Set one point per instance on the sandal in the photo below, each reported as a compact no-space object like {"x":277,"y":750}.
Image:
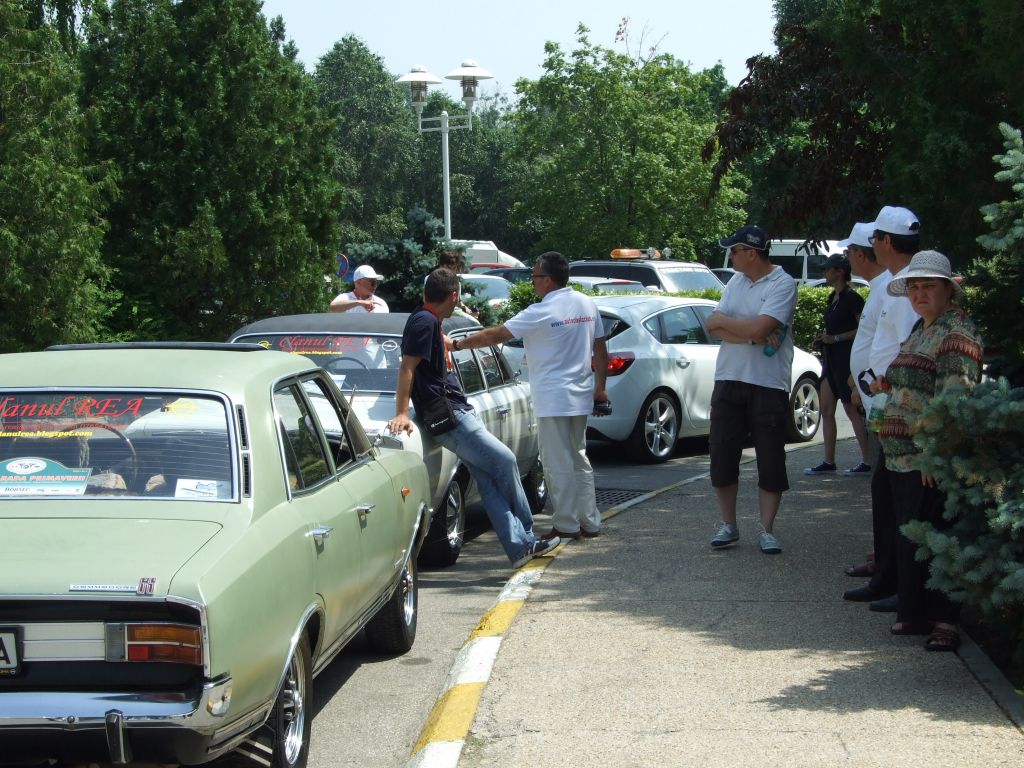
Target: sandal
{"x":911,"y":628}
{"x":861,"y":569}
{"x":943,"y":639}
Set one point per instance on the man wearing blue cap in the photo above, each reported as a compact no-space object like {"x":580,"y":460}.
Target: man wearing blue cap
{"x":752,"y":381}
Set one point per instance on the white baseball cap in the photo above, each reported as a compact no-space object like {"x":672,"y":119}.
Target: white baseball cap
{"x":896,"y":221}
{"x":366,"y":272}
{"x":860,"y":235}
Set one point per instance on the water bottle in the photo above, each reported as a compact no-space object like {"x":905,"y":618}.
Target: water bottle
{"x":877,"y":412}
{"x":768,"y":349}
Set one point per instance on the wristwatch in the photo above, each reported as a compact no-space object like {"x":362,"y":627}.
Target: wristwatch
{"x":455,"y":344}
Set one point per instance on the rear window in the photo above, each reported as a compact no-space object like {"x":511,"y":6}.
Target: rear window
{"x":676,"y":279}
{"x":613,"y":326}
{"x":356,"y":362}
{"x":114,"y":444}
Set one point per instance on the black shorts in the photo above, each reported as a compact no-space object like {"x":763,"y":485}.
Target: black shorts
{"x":738,"y":411}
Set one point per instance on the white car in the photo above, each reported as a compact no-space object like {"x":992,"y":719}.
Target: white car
{"x":661,"y":372}
{"x":494,"y":289}
{"x":362,"y":352}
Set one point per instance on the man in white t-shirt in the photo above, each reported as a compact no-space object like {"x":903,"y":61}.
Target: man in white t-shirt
{"x":363,"y":296}
{"x":895,"y":239}
{"x":564,"y":341}
{"x":752,"y":381}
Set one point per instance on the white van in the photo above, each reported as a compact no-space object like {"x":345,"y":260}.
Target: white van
{"x":486,"y":252}
{"x":802,"y":259}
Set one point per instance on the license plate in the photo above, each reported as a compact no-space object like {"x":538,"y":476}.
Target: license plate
{"x":10,"y":651}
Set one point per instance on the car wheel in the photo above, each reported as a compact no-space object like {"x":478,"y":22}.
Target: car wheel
{"x":805,"y":407}
{"x":292,"y":717}
{"x":536,"y":487}
{"x":393,"y":629}
{"x":657,"y":428}
{"x":447,"y":527}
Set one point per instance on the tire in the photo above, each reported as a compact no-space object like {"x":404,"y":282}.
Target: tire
{"x":292,"y":718}
{"x":536,"y":487}
{"x":393,"y":629}
{"x":447,"y":527}
{"x":657,"y":428}
{"x":805,"y":411}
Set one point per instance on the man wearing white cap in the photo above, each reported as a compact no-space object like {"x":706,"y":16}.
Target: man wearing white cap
{"x":895,"y":239}
{"x":363,"y":296}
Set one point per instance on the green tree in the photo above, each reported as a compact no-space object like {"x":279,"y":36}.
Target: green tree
{"x":226,"y":203}
{"x":374,"y":137}
{"x":613,"y":147}
{"x":55,"y":285}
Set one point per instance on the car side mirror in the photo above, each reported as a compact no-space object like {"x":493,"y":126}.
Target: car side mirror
{"x":385,"y":439}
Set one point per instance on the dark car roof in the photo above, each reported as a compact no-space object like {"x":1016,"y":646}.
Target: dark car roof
{"x":344,"y":322}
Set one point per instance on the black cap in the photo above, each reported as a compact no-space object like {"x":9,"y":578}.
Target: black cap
{"x":751,"y":235}
{"x":835,"y":261}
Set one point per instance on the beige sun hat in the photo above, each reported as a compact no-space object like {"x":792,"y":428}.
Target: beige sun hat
{"x":925,"y":264}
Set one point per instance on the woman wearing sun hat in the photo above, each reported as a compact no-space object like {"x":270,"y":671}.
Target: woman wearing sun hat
{"x":943,"y":352}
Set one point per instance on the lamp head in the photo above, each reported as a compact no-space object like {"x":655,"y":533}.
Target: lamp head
{"x":419,"y":79}
{"x":470,"y":75}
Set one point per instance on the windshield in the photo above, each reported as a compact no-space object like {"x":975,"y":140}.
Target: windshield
{"x":489,"y":289}
{"x":117,"y":443}
{"x":361,"y":362}
{"x":688,"y":279}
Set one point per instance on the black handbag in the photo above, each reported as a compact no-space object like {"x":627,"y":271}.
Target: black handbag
{"x":438,"y":416}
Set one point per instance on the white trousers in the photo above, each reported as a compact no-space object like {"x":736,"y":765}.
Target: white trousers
{"x":567,"y":471}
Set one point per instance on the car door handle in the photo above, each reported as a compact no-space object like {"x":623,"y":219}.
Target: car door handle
{"x":682,"y":362}
{"x":364,"y":509}
{"x":320,"y":533}
{"x":504,"y":411}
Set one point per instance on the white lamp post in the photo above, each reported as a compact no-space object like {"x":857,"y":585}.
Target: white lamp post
{"x":419,"y":79}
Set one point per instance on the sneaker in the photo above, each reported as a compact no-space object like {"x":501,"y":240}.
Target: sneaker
{"x":539,"y":548}
{"x":768,"y":543}
{"x":728,"y":534}
{"x":820,"y":469}
{"x":861,"y":470}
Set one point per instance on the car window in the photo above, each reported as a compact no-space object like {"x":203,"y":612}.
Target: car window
{"x":305,"y":457}
{"x":490,"y":365}
{"x":613,"y":326}
{"x":688,"y":278}
{"x":327,"y":413}
{"x":597,"y":270}
{"x":363,"y":362}
{"x":469,"y":372}
{"x":703,"y":312}
{"x":115,"y":444}
{"x":681,"y":326}
{"x":640,"y":273}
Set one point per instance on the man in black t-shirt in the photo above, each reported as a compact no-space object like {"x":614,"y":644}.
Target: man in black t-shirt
{"x":425,"y":371}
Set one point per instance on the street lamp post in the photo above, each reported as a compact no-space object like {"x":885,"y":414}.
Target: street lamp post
{"x":419,"y":79}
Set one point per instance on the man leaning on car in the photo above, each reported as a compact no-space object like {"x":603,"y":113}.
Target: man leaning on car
{"x":426,"y":376}
{"x":752,"y":379}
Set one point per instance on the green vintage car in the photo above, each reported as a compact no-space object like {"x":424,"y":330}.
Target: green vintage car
{"x":189,"y":534}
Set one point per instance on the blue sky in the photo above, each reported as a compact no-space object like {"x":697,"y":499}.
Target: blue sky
{"x":508,"y":38}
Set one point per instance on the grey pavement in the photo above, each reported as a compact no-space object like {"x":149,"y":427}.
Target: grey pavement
{"x":646,"y":648}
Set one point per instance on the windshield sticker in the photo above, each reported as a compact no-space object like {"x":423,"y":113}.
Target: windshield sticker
{"x":33,"y":476}
{"x":317,"y":345}
{"x":72,"y":406}
{"x":201,"y":489}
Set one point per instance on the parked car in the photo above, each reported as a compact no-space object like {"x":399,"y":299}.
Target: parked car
{"x":661,"y":372}
{"x":482,"y":267}
{"x":665,"y":275}
{"x":362,"y":352}
{"x":725,"y":274}
{"x":512,"y":274}
{"x":607,"y":285}
{"x":190,"y":534}
{"x":496,"y":290}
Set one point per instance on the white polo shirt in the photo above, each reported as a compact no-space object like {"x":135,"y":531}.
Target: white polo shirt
{"x":773,"y":295}
{"x":895,"y":322}
{"x":558,"y":334}
{"x":860,"y":352}
{"x":379,"y":305}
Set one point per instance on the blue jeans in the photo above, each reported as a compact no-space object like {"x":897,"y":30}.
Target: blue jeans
{"x":493,"y":466}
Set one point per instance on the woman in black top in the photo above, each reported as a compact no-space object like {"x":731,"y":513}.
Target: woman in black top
{"x":841,"y":317}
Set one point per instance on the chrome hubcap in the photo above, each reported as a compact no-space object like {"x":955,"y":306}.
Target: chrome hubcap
{"x":806,"y":410}
{"x":453,"y":513}
{"x":660,"y":428}
{"x":294,"y":709}
{"x":408,"y":595}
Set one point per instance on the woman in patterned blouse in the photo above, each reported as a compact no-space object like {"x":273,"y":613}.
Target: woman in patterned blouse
{"x":943,"y":352}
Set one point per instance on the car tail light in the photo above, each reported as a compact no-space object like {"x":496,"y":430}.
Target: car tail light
{"x":177,"y":643}
{"x":619,"y":363}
